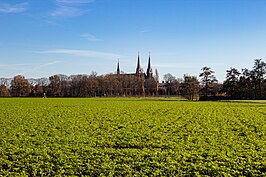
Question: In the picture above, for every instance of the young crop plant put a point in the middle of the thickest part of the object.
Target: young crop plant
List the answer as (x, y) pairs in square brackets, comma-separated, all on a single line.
[(131, 137)]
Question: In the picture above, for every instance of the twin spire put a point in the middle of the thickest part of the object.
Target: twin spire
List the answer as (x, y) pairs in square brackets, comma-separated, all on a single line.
[(139, 70), (149, 69)]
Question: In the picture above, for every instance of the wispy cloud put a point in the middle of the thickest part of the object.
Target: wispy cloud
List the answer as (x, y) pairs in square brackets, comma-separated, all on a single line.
[(84, 53), (45, 65), (16, 8), (70, 8), (90, 37), (177, 65), (64, 11), (19, 66), (186, 65), (16, 66), (74, 1), (38, 68), (145, 31), (27, 68)]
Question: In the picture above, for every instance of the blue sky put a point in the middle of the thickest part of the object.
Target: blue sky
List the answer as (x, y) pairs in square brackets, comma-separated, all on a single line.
[(40, 38)]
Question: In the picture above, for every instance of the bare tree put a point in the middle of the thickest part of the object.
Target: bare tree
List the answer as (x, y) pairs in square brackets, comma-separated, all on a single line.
[(55, 85), (171, 84), (189, 88), (4, 92), (157, 81), (38, 90), (20, 86), (169, 78)]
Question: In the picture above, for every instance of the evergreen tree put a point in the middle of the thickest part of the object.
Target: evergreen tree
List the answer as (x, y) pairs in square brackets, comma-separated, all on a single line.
[(207, 81)]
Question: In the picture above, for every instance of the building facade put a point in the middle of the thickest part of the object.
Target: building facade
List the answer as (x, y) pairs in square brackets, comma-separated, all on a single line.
[(138, 83)]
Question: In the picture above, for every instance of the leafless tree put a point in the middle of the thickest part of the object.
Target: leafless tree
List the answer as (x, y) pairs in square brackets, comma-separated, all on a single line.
[(4, 92), (20, 86)]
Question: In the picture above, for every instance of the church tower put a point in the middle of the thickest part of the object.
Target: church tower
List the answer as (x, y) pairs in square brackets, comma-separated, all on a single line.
[(138, 70), (149, 69)]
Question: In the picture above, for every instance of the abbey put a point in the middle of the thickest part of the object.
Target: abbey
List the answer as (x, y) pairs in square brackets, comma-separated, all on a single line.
[(138, 83), (139, 71)]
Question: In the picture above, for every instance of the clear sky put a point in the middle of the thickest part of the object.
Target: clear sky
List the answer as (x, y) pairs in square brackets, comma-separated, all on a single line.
[(40, 38)]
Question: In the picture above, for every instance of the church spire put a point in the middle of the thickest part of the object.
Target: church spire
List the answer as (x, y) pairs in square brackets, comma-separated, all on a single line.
[(118, 68), (138, 70), (149, 69)]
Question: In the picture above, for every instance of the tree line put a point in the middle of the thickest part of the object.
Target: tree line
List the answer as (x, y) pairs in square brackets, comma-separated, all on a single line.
[(244, 84)]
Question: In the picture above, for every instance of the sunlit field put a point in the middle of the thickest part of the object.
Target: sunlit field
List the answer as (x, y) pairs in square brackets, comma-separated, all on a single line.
[(131, 137)]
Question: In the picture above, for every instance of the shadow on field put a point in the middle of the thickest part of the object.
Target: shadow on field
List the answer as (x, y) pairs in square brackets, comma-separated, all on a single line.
[(127, 146), (246, 101)]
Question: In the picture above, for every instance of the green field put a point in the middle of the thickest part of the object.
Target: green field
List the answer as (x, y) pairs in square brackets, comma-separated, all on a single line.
[(131, 137)]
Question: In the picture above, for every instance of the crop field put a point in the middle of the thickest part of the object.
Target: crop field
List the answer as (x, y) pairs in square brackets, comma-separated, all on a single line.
[(131, 137)]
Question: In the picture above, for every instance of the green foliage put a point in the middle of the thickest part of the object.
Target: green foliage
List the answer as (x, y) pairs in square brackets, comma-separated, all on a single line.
[(131, 137)]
